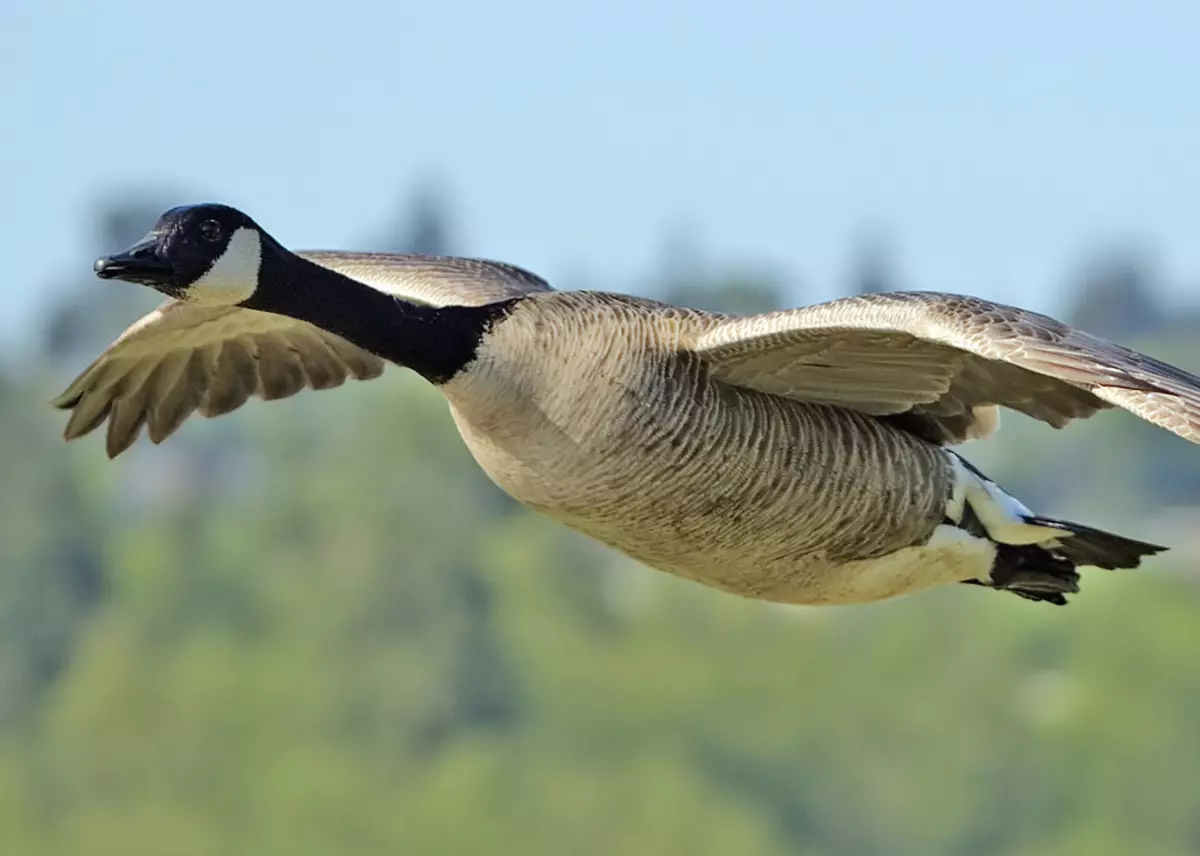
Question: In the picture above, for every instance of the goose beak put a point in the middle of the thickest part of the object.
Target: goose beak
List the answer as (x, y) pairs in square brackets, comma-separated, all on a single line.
[(140, 263)]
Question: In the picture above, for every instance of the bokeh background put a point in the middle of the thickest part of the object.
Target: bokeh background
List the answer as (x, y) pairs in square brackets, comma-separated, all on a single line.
[(313, 627)]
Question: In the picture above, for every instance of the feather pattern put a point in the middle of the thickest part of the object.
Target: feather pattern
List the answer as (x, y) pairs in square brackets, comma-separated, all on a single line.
[(794, 456), (183, 358), (636, 446), (761, 455), (941, 357)]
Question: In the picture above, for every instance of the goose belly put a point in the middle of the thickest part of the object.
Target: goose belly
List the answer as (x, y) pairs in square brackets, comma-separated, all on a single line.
[(745, 492)]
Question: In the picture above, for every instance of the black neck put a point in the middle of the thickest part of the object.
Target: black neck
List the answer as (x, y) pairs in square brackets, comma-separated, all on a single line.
[(435, 342)]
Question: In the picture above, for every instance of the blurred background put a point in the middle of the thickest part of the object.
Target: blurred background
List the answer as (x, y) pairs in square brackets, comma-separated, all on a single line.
[(313, 627)]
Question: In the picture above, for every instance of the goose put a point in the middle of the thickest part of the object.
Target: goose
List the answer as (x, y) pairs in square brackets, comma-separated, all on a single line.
[(801, 456)]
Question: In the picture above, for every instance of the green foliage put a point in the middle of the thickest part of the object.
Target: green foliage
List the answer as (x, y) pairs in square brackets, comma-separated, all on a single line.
[(314, 627)]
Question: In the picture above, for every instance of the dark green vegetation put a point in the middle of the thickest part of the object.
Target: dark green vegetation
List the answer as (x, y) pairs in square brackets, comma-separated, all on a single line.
[(313, 627)]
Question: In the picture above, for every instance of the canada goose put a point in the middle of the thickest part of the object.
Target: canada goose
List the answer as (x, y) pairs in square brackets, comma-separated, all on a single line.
[(796, 456)]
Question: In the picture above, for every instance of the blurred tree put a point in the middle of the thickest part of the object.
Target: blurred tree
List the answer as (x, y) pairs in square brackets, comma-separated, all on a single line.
[(426, 223), (684, 277), (51, 553), (429, 226), (681, 259), (90, 313), (734, 292), (872, 268), (1116, 297), (339, 646)]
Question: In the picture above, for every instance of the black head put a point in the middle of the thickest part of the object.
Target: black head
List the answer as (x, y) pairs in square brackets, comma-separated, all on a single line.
[(208, 253)]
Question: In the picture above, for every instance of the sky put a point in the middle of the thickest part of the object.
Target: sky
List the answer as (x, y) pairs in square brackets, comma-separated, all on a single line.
[(996, 143)]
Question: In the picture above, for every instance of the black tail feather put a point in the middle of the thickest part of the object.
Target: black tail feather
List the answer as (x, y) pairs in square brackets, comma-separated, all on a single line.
[(1047, 572), (1056, 598), (1087, 546), (1035, 573)]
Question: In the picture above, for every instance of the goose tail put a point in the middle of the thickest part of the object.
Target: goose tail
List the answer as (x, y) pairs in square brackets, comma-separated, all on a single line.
[(1038, 557), (1048, 571), (1084, 545)]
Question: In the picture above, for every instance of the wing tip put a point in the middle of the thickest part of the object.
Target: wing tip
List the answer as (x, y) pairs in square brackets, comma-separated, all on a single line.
[(65, 400)]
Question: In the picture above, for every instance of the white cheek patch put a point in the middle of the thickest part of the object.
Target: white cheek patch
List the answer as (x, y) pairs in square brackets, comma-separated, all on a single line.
[(233, 277)]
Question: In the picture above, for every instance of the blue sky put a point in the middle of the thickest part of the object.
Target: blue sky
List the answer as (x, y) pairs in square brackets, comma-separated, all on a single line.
[(996, 142)]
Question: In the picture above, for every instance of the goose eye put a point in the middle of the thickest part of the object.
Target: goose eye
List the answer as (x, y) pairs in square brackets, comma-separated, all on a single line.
[(210, 230)]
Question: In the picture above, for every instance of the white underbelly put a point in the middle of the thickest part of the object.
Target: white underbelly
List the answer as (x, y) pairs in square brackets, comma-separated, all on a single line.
[(951, 556)]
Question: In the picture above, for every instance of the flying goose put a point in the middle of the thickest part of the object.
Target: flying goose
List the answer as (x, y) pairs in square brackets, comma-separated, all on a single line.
[(798, 456)]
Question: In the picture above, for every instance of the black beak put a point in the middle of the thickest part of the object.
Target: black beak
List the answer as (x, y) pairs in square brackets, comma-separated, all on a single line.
[(140, 264)]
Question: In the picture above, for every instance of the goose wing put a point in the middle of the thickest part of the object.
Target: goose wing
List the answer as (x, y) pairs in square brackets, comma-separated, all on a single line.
[(183, 358), (946, 363), (433, 280)]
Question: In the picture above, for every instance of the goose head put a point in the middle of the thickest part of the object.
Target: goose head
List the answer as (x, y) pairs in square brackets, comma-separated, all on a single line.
[(206, 254)]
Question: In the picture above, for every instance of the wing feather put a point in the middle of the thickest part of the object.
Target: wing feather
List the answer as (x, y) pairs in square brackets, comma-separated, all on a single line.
[(181, 358), (432, 280), (234, 380), (947, 361)]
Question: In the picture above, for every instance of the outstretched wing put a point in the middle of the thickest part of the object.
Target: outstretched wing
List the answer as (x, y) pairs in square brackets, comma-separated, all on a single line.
[(947, 362), (432, 280), (182, 358)]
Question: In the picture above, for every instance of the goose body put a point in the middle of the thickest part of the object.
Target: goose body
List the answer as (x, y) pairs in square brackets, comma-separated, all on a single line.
[(798, 456), (610, 425)]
